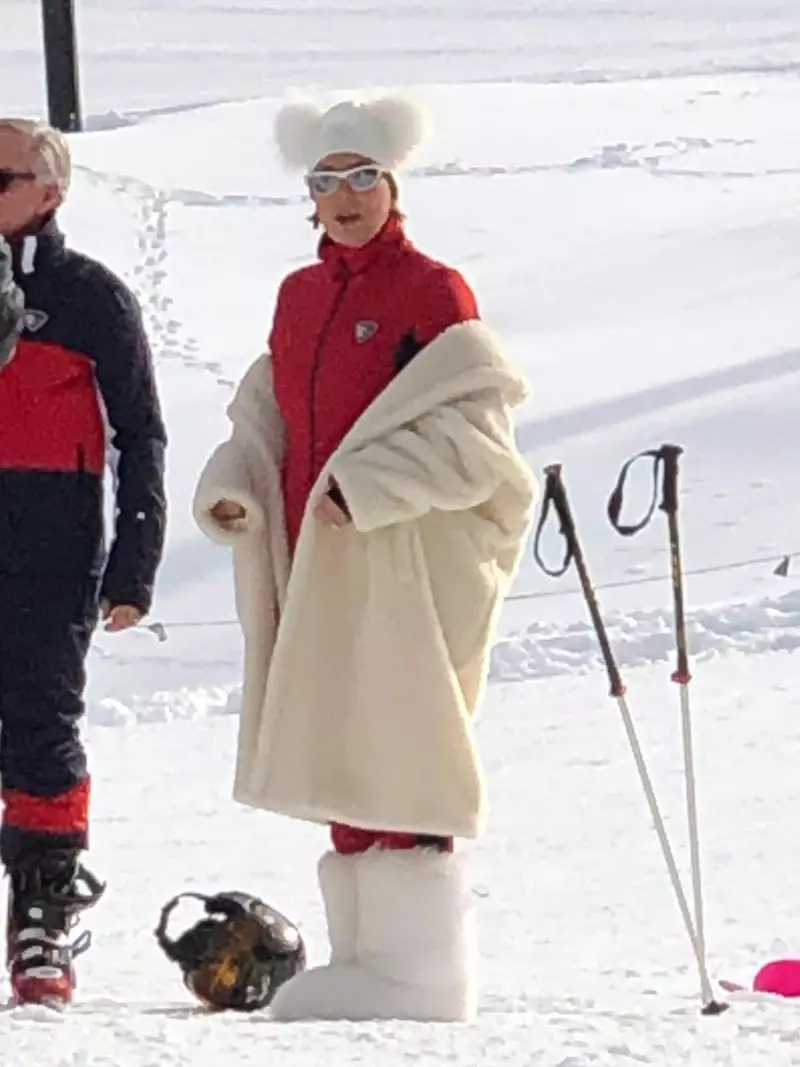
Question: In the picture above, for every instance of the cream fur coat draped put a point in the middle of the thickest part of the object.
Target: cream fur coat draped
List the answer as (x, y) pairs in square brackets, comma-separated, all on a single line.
[(366, 659)]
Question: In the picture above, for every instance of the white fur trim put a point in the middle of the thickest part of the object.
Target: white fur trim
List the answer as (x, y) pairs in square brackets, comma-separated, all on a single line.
[(387, 130)]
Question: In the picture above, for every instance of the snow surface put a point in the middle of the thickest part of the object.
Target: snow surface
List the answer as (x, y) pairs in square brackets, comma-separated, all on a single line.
[(619, 183)]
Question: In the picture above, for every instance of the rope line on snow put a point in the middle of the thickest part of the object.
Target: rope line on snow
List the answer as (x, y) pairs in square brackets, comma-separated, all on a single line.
[(781, 570)]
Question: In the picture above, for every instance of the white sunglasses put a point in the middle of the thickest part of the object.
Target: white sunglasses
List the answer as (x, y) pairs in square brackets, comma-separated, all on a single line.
[(360, 179)]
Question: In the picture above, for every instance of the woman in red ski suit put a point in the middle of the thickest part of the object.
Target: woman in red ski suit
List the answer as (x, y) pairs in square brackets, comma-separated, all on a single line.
[(345, 330)]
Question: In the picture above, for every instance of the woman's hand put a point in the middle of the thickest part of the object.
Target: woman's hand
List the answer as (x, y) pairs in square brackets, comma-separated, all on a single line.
[(331, 509), (227, 513)]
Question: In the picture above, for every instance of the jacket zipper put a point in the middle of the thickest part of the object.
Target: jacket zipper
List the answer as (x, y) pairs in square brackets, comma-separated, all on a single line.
[(315, 368)]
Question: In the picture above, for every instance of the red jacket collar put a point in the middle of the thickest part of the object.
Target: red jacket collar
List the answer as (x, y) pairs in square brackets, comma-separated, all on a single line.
[(340, 259)]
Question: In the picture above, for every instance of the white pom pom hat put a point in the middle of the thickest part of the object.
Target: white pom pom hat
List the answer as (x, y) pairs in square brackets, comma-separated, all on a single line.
[(386, 130)]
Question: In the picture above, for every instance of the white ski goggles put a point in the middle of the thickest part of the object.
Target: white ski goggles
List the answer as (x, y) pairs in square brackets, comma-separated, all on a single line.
[(360, 179)]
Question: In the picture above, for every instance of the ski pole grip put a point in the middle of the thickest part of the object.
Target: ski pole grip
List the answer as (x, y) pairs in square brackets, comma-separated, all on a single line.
[(554, 486), (670, 455)]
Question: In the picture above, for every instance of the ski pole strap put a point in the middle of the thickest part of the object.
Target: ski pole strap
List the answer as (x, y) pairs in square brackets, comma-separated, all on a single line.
[(665, 461), (555, 496)]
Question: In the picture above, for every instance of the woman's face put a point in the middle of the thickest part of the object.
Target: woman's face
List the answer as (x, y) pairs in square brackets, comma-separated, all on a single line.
[(352, 206)]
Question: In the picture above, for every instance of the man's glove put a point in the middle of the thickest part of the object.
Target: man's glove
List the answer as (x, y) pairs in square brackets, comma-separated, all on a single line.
[(11, 307)]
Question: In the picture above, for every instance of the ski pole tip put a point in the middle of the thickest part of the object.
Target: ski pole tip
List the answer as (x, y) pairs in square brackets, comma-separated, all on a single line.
[(714, 1007)]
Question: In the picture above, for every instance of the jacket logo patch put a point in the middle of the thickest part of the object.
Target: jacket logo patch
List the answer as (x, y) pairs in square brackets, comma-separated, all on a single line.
[(365, 330), (34, 320)]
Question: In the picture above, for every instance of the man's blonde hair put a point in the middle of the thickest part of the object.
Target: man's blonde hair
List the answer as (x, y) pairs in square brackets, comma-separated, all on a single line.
[(53, 158)]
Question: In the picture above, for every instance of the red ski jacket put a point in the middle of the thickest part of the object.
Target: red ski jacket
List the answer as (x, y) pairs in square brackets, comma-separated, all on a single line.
[(343, 328)]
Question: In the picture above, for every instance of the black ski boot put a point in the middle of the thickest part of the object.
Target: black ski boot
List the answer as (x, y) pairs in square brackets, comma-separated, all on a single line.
[(45, 897)]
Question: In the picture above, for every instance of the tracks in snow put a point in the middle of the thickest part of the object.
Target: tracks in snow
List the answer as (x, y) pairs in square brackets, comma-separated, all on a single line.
[(170, 340), (660, 158)]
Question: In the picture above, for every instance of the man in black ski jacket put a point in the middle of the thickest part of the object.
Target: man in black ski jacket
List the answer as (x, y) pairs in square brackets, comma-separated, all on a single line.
[(11, 306), (81, 372)]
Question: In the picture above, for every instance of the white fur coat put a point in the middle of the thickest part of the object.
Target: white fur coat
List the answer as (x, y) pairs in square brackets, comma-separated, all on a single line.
[(365, 660)]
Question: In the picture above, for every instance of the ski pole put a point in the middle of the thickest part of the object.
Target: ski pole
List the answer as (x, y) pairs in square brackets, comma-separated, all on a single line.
[(666, 459), (555, 496)]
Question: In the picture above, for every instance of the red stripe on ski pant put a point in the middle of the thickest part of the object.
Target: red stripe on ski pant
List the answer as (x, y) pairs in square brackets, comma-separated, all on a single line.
[(66, 813)]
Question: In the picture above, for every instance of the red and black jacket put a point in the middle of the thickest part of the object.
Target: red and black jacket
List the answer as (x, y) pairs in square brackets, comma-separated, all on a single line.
[(82, 372)]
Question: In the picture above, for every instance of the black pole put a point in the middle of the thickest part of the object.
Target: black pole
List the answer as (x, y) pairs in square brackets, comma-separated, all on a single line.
[(61, 63)]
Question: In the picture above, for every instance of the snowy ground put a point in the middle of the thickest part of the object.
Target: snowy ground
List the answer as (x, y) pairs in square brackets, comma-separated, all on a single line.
[(585, 961), (633, 236)]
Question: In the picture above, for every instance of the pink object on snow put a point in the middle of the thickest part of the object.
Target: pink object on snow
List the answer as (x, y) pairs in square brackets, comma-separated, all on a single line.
[(780, 976)]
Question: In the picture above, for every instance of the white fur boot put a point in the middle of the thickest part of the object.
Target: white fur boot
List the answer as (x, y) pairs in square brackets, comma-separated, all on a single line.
[(416, 950)]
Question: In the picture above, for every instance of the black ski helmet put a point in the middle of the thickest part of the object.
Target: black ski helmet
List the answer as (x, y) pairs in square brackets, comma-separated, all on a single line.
[(237, 957)]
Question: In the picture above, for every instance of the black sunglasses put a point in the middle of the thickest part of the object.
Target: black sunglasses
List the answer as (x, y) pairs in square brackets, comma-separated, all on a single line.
[(8, 177)]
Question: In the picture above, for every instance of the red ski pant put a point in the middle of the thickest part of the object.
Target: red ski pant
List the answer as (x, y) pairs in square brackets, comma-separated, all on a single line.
[(348, 840)]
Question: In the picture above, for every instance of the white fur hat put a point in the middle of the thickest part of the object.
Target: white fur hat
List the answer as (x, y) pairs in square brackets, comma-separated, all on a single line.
[(386, 130)]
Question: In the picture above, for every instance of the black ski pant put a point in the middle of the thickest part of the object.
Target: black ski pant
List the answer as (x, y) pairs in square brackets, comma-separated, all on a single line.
[(46, 625)]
